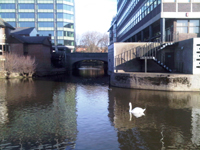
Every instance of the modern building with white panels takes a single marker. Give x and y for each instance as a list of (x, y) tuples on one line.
[(148, 20), (158, 39), (55, 17)]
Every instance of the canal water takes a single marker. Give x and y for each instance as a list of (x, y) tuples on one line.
[(82, 112)]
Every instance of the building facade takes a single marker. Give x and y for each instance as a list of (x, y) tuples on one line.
[(55, 17), (148, 20)]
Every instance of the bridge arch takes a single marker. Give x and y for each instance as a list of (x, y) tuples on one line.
[(78, 57)]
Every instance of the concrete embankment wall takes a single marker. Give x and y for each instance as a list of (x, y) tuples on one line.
[(156, 81)]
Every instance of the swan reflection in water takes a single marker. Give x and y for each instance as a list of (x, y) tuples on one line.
[(136, 115)]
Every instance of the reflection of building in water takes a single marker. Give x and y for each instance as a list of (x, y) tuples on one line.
[(3, 112), (3, 104), (174, 114), (195, 126), (40, 112)]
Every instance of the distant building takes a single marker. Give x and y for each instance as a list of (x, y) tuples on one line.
[(25, 31), (148, 20), (20, 42), (38, 47), (55, 17), (5, 29)]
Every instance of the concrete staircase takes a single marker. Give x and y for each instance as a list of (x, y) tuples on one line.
[(150, 50), (147, 51)]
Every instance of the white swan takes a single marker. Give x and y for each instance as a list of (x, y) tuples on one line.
[(137, 111)]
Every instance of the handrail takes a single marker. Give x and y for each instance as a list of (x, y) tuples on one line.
[(148, 50)]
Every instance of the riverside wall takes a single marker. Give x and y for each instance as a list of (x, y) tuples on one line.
[(156, 81)]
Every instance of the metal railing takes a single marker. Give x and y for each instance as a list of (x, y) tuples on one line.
[(148, 50), (125, 56)]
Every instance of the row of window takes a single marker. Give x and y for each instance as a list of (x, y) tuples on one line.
[(39, 6), (127, 11), (59, 33), (33, 1), (40, 15), (42, 24), (65, 24), (65, 33), (46, 33), (139, 15), (65, 42), (188, 26)]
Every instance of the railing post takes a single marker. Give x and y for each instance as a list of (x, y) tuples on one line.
[(145, 65)]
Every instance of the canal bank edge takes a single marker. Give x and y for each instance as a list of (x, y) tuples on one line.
[(156, 81)]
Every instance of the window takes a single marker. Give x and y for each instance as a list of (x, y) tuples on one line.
[(7, 15), (69, 25), (69, 34), (60, 42), (194, 26), (7, 6), (26, 24), (45, 15), (60, 24), (69, 1), (46, 33), (60, 33), (26, 6), (65, 7), (182, 26), (26, 15), (12, 24), (45, 6), (65, 16), (68, 42), (196, 0), (45, 24)]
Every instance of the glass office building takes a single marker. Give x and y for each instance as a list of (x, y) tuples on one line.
[(55, 17)]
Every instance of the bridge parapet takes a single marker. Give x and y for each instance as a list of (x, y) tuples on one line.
[(76, 57)]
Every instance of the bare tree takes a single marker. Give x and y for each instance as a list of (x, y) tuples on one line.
[(104, 42), (23, 65), (94, 41)]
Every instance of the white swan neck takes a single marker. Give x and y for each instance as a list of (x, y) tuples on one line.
[(130, 107)]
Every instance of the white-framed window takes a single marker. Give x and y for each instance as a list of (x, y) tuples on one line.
[(194, 26), (182, 26)]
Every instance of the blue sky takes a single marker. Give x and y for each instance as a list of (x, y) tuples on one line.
[(94, 15)]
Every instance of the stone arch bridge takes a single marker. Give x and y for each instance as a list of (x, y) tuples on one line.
[(73, 58)]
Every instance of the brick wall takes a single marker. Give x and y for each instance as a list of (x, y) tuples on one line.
[(185, 36), (17, 48), (42, 55)]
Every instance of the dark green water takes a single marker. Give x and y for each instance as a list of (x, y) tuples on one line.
[(83, 113)]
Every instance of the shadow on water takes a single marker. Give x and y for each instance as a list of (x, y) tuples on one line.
[(37, 115), (171, 119)]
